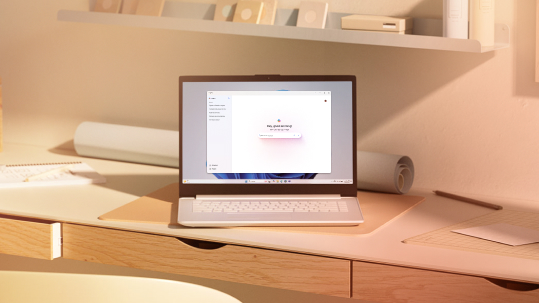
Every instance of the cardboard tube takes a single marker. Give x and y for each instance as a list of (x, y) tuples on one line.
[(384, 172)]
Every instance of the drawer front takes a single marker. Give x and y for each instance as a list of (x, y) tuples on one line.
[(233, 263), (34, 239), (385, 283)]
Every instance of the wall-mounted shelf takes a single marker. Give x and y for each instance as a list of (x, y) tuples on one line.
[(198, 17)]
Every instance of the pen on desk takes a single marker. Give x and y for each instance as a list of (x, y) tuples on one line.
[(468, 200), (49, 172)]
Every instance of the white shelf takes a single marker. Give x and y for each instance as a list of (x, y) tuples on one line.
[(198, 17)]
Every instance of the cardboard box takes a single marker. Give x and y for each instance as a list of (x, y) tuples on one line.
[(378, 23)]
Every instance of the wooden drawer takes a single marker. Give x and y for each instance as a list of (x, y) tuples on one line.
[(233, 263), (385, 283), (30, 238)]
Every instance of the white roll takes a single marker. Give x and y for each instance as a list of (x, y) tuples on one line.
[(384, 172), (482, 21), (128, 143), (455, 19)]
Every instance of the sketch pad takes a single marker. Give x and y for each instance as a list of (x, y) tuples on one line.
[(446, 238), (48, 174), (161, 206)]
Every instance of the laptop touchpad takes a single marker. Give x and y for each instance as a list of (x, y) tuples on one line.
[(258, 216)]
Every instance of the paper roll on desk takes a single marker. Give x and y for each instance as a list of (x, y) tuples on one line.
[(128, 143), (384, 172)]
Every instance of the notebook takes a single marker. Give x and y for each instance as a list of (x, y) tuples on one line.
[(48, 174), (268, 150)]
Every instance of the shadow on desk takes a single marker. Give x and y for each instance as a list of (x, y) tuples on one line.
[(138, 185), (67, 149)]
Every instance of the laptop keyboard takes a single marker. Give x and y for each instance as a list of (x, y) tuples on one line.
[(270, 206)]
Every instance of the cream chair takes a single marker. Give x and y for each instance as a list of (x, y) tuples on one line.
[(29, 287)]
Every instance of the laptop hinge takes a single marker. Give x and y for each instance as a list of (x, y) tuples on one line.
[(268, 197)]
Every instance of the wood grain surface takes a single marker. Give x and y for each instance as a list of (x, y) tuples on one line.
[(385, 283), (233, 263), (25, 238)]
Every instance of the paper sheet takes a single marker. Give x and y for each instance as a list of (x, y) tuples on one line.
[(48, 174), (128, 143), (384, 172), (445, 238), (502, 233)]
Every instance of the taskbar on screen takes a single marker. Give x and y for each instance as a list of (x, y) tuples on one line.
[(268, 181)]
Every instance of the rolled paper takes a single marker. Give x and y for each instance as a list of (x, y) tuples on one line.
[(384, 172), (128, 143)]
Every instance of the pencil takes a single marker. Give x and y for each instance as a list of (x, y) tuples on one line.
[(468, 200), (49, 172)]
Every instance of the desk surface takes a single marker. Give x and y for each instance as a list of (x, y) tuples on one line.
[(127, 181)]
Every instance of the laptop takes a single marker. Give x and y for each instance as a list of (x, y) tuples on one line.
[(268, 150)]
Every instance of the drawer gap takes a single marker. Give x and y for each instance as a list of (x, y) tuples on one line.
[(201, 244), (513, 285)]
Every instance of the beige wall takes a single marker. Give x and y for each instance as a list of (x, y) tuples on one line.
[(470, 122)]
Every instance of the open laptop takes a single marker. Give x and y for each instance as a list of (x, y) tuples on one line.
[(268, 150)]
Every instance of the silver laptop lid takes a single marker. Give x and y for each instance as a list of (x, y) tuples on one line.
[(267, 134)]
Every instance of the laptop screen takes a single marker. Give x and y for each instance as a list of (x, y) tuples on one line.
[(267, 134)]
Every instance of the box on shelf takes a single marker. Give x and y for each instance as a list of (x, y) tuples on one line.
[(399, 25)]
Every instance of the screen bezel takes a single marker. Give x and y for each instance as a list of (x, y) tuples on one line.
[(191, 190)]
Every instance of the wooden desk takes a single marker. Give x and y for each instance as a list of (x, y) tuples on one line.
[(376, 267)]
